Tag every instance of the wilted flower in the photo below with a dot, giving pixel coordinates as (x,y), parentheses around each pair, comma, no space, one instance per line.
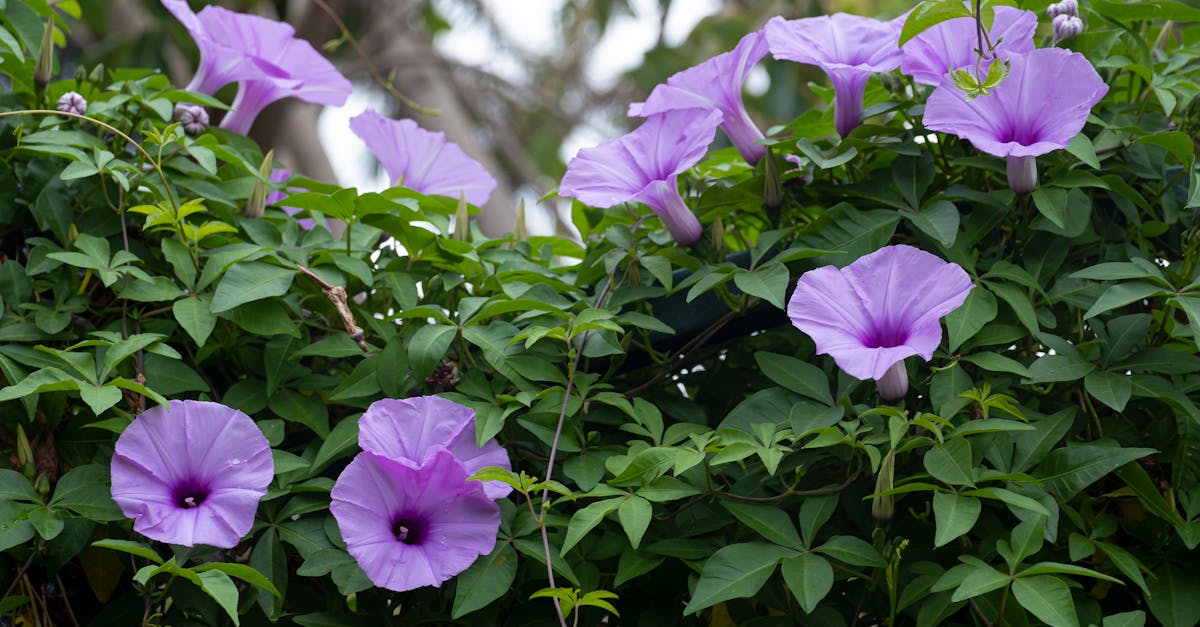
(192,117)
(413,525)
(1065,7)
(412,430)
(850,48)
(193,474)
(421,160)
(953,44)
(715,84)
(875,312)
(72,102)
(643,166)
(264,55)
(1042,104)
(1066,26)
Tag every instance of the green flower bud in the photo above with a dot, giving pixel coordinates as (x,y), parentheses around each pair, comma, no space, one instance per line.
(258,196)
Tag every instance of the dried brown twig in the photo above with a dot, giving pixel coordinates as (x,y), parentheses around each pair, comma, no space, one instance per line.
(337,295)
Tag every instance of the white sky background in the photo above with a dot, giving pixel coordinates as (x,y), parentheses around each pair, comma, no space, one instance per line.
(533,25)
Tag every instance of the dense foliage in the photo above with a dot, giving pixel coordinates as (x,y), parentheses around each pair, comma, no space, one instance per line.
(680,453)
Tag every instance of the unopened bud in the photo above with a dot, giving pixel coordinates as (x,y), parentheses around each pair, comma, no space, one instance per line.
(519,223)
(893,385)
(1066,27)
(258,196)
(72,102)
(1065,7)
(772,187)
(192,117)
(25,453)
(44,68)
(718,236)
(884,507)
(96,76)
(42,485)
(462,220)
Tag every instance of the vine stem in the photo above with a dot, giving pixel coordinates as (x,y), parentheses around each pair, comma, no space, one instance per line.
(562,417)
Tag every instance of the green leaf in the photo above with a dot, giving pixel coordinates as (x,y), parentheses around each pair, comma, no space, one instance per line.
(85,490)
(427,347)
(1109,388)
(1123,294)
(772,523)
(1175,595)
(928,14)
(634,513)
(1051,202)
(1019,301)
(1058,568)
(249,281)
(796,375)
(221,588)
(1136,618)
(1083,149)
(1178,143)
(1146,490)
(963,323)
(14,486)
(734,572)
(950,462)
(1047,598)
(246,573)
(341,440)
(996,362)
(1051,368)
(128,546)
(809,577)
(955,515)
(982,579)
(485,581)
(586,519)
(269,557)
(1068,470)
(852,550)
(768,282)
(196,317)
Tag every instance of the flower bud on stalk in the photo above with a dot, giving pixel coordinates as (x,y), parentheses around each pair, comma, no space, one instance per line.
(462,220)
(193,117)
(258,196)
(1065,7)
(519,233)
(884,507)
(44,68)
(72,102)
(1066,27)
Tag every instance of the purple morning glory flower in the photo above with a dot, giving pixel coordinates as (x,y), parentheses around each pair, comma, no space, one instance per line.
(643,166)
(850,48)
(411,431)
(192,117)
(413,526)
(264,55)
(421,160)
(875,312)
(1039,107)
(951,45)
(715,84)
(191,475)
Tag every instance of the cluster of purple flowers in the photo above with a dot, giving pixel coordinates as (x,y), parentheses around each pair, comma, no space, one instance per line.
(1039,107)
(194,473)
(268,62)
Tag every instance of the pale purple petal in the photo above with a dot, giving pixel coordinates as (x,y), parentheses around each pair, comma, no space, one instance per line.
(412,430)
(642,165)
(849,48)
(1041,105)
(422,160)
(880,309)
(715,84)
(207,452)
(446,521)
(951,45)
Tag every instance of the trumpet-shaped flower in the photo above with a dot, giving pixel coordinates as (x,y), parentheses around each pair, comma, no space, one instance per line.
(263,55)
(644,166)
(411,526)
(421,160)
(411,431)
(715,84)
(849,48)
(952,44)
(1039,107)
(192,474)
(875,312)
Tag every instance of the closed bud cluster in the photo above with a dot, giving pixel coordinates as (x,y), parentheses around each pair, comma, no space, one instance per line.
(1066,27)
(72,102)
(193,117)
(1065,7)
